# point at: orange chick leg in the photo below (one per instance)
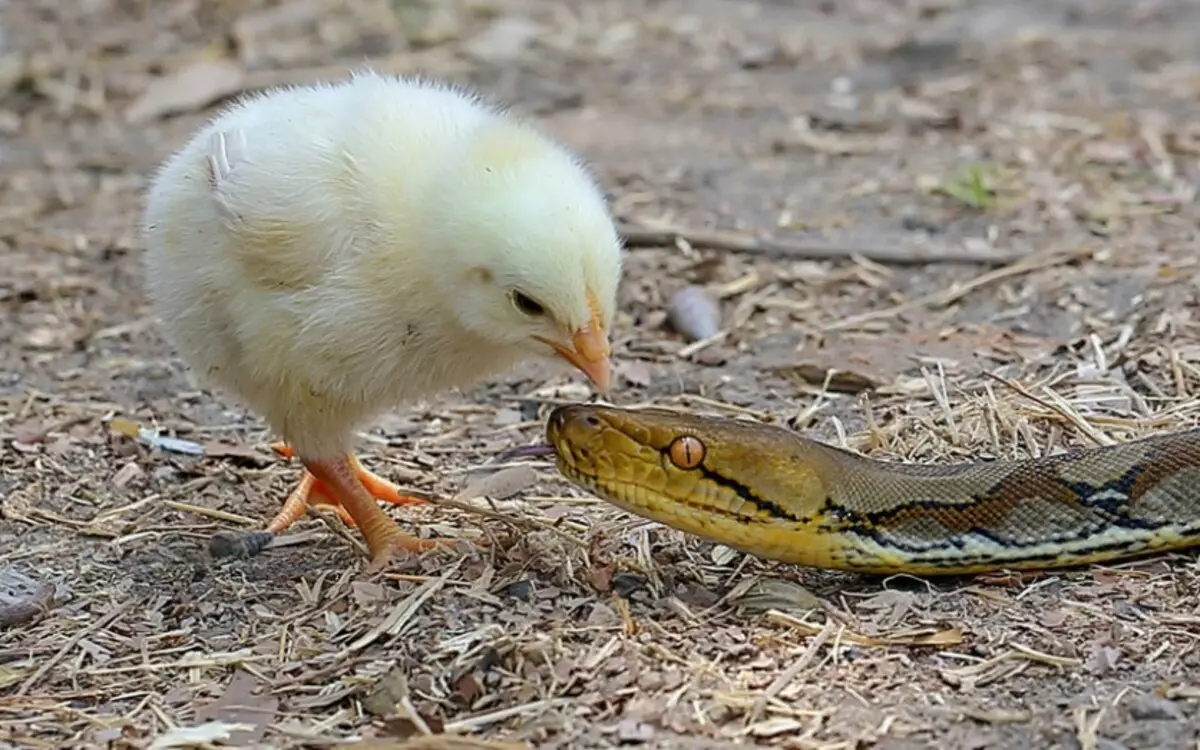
(311, 491)
(384, 538)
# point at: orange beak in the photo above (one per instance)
(589, 353)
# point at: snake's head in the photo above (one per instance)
(589, 441)
(650, 456)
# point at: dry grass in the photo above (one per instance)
(577, 625)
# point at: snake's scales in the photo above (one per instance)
(767, 491)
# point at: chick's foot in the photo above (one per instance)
(311, 491)
(385, 540)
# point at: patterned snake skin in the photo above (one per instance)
(771, 493)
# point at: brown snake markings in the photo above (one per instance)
(771, 492)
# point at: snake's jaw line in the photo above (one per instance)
(769, 492)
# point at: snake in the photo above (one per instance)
(765, 490)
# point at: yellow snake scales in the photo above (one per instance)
(769, 492)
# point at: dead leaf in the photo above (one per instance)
(774, 726)
(892, 606)
(636, 372)
(600, 576)
(723, 555)
(1109, 152)
(404, 727)
(188, 89)
(22, 598)
(467, 688)
(242, 707)
(126, 474)
(366, 593)
(1102, 659)
(504, 483)
(840, 381)
(399, 727)
(505, 417)
(468, 685)
(766, 594)
(1154, 708)
(105, 735)
(217, 449)
(11, 675)
(198, 736)
(433, 742)
(30, 431)
(389, 692)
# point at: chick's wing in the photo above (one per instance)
(279, 207)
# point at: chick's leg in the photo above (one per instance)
(307, 492)
(311, 491)
(384, 538)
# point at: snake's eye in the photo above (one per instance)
(686, 452)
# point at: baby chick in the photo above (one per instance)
(329, 252)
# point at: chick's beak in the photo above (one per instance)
(589, 352)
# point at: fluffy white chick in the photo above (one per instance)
(332, 251)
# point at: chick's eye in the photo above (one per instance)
(527, 304)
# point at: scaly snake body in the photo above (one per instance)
(769, 492)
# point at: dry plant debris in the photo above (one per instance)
(814, 169)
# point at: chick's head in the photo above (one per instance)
(525, 234)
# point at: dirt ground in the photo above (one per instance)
(1056, 143)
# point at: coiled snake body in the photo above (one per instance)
(769, 492)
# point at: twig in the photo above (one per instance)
(103, 622)
(517, 523)
(473, 723)
(792, 671)
(1061, 410)
(751, 245)
(1025, 265)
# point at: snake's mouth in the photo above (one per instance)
(578, 440)
(576, 467)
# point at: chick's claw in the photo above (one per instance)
(340, 481)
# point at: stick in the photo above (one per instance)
(95, 625)
(789, 674)
(1026, 264)
(750, 245)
